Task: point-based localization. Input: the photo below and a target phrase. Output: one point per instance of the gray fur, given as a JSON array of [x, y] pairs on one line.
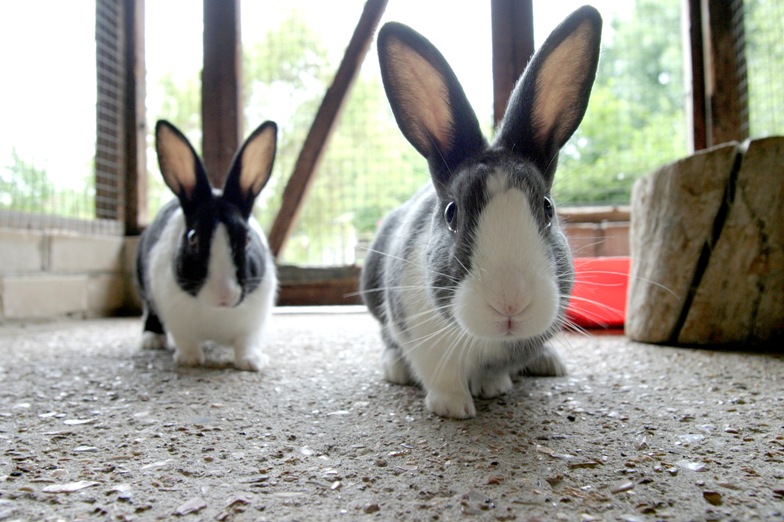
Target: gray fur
[[421, 259]]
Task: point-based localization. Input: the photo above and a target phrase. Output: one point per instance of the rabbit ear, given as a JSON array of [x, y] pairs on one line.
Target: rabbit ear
[[550, 99], [182, 169], [251, 168], [428, 102]]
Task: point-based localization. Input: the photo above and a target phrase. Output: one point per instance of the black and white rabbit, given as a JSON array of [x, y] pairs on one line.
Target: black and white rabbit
[[472, 275], [203, 267]]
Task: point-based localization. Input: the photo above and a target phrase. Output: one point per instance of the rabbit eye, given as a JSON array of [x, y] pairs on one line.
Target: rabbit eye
[[450, 216], [193, 240], [549, 210]]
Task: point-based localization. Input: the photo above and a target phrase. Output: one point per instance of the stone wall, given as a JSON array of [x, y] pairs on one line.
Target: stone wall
[[54, 274]]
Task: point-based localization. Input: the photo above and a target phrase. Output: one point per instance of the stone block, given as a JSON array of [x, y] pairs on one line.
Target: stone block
[[707, 246], [21, 251], [26, 297], [130, 245], [76, 253], [108, 294]]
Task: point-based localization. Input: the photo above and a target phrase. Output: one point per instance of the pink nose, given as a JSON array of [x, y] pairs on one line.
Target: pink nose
[[509, 308]]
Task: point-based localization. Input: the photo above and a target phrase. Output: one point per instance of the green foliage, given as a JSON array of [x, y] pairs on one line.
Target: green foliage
[[764, 25], [180, 103], [635, 120], [285, 73], [368, 170], [27, 188]]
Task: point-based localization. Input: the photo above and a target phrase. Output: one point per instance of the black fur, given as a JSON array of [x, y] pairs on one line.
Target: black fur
[[203, 210]]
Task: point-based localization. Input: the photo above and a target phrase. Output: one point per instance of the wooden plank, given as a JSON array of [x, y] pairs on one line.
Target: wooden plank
[[595, 214], [221, 85], [513, 45], [317, 139], [318, 286], [135, 120]]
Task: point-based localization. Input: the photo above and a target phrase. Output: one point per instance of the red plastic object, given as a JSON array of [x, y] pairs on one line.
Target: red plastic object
[[599, 293]]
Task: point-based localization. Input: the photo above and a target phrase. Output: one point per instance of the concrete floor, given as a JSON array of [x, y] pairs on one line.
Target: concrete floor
[[91, 427]]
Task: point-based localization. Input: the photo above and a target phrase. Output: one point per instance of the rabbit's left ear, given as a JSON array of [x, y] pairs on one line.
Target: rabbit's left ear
[[549, 102], [428, 101], [181, 167], [251, 168]]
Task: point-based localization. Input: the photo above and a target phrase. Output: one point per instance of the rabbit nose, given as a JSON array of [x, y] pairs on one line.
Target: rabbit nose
[[509, 307], [507, 295]]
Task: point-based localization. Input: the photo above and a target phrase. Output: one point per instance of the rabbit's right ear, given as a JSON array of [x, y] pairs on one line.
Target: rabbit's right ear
[[181, 167], [251, 168], [427, 100], [550, 99]]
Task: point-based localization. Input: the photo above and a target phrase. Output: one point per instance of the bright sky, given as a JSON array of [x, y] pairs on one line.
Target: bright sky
[[47, 104], [47, 98]]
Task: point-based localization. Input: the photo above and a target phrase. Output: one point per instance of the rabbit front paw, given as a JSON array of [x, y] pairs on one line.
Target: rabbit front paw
[[153, 341], [189, 357], [451, 405], [395, 368], [251, 361], [491, 385], [547, 364]]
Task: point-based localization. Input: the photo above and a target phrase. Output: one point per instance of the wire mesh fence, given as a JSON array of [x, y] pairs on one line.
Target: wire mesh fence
[[53, 148]]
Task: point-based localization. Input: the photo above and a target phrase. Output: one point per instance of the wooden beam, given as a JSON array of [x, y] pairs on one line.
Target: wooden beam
[[727, 111], [694, 68], [135, 127], [323, 124], [513, 46], [717, 106], [221, 87]]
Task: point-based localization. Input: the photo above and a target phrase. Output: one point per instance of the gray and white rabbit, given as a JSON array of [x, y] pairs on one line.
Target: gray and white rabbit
[[472, 275], [203, 267]]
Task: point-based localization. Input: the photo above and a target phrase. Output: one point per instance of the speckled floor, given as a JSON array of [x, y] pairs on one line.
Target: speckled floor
[[93, 428]]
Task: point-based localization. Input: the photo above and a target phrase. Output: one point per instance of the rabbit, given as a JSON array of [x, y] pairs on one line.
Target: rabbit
[[471, 276], [204, 270]]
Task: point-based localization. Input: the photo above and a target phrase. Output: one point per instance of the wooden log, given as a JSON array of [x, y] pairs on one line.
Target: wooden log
[[707, 246]]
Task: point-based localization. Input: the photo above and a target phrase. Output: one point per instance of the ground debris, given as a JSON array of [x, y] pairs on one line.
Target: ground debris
[[712, 497], [193, 505], [70, 487], [620, 487]]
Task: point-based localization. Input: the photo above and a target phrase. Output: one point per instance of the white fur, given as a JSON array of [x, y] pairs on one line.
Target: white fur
[[211, 316], [510, 294]]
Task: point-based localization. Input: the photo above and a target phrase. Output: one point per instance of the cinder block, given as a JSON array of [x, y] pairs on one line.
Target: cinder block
[[584, 239], [21, 251], [25, 297], [107, 294], [131, 243], [85, 254], [616, 240]]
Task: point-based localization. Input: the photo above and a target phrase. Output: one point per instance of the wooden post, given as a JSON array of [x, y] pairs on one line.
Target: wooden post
[[727, 111], [221, 87], [513, 46], [718, 107], [694, 69], [323, 124], [135, 126]]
